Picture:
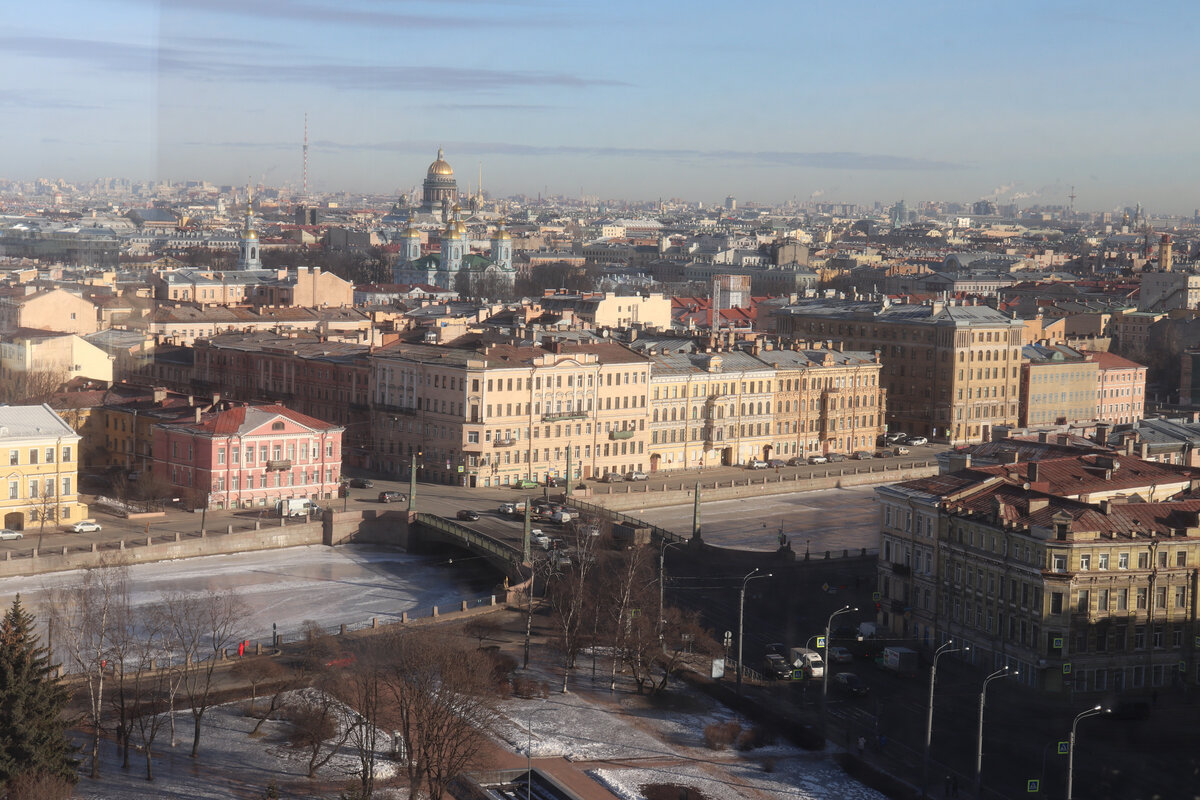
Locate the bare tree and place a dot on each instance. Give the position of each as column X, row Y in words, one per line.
column 483, row 628
column 38, row 786
column 282, row 681
column 625, row 581
column 570, row 593
column 682, row 635
column 85, row 614
column 442, row 704
column 316, row 724
column 204, row 626
column 360, row 687
column 32, row 387
column 154, row 682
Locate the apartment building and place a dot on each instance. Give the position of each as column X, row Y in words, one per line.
column 43, row 466
column 248, row 457
column 1078, row 570
column 1121, row 399
column 1059, row 385
column 49, row 310
column 950, row 371
column 499, row 414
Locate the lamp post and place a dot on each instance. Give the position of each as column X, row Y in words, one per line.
column 941, row 651
column 412, row 482
column 1003, row 672
column 1091, row 712
column 825, row 671
column 741, row 621
column 662, row 579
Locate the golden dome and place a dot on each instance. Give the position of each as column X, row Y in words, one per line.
column 411, row 231
column 503, row 234
column 440, row 167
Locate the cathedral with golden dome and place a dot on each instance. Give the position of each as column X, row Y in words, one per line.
column 439, row 192
column 454, row 266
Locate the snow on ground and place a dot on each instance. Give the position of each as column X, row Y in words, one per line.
column 231, row 764
column 332, row 585
column 799, row 778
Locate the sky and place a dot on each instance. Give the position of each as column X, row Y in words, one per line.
column 770, row 101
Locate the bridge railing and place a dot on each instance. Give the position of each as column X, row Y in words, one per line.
column 480, row 541
column 616, row 516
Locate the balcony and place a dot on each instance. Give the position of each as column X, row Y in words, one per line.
column 560, row 416
column 626, row 434
column 279, row 465
column 503, row 442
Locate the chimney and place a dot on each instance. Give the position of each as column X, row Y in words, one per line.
column 198, row 412
column 1033, row 472
column 1064, row 439
column 1105, row 505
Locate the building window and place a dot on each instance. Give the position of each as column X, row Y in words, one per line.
column 1103, row 559
column 1056, row 602
column 49, row 455
column 14, row 490
column 1085, row 563
column 1181, row 558
column 1123, row 561
column 1143, row 560
column 33, row 456
column 66, row 486
column 220, row 455
column 1060, row 562
column 1141, row 598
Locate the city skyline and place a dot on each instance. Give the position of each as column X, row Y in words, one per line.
column 847, row 104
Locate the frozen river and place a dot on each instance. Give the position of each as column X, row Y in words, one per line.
column 332, row 585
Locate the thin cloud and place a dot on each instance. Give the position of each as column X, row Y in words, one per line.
column 347, row 14
column 13, row 98
column 488, row 107
column 195, row 64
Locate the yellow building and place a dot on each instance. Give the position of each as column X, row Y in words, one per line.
column 62, row 355
column 499, row 414
column 41, row 477
column 50, row 310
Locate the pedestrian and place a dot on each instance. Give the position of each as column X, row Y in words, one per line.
column 862, row 746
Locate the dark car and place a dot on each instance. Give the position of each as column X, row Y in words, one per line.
column 362, row 483
column 556, row 482
column 851, row 684
column 797, row 461
column 392, row 497
column 468, row 515
column 776, row 462
column 836, row 457
column 776, row 667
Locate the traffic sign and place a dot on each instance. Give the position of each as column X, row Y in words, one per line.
column 1058, row 643
column 1033, row 785
column 1064, row 748
column 1067, row 668
column 820, row 642
column 876, row 597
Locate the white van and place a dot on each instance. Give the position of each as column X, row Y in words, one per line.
column 808, row 661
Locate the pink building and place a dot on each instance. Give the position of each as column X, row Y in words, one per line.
column 1122, row 389
column 248, row 457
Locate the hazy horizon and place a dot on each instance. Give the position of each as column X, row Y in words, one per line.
column 856, row 103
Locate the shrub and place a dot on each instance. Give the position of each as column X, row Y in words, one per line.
column 719, row 735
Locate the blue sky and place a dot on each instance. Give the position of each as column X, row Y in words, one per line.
column 769, row 101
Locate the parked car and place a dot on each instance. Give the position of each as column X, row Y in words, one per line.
column 524, row 484
column 86, row 526
column 836, row 457
column 883, row 453
column 840, row 655
column 613, row 477
column 818, row 459
column 797, row 461
column 5, row 533
column 392, row 497
column 468, row 515
column 776, row 463
column 776, row 667
column 507, row 509
column 895, row 438
column 556, row 483
column 756, row 463
column 916, row 441
column 636, row 476
column 851, row 684
column 900, row 450
column 362, row 483
column 862, row 455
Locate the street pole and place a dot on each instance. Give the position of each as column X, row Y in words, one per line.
column 1003, row 672
column 741, row 622
column 825, row 672
column 941, row 651
column 526, row 551
column 696, row 512
column 570, row 475
column 1091, row 712
column 412, row 482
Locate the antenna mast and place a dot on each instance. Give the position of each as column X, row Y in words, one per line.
column 305, row 155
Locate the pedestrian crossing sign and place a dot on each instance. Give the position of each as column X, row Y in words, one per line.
column 1033, row 785
column 820, row 642
column 1064, row 748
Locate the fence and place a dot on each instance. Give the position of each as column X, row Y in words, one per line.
column 463, row 606
column 660, row 534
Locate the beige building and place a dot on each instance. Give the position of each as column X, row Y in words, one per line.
column 606, row 310
column 1059, row 385
column 499, row 414
column 303, row 286
column 950, row 371
column 41, row 477
column 1074, row 570
column 63, row 355
column 50, row 310
column 1121, row 399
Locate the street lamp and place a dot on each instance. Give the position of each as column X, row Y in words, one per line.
column 1091, row 712
column 941, row 651
column 412, row 481
column 1003, row 672
column 662, row 578
column 741, row 621
column 825, row 671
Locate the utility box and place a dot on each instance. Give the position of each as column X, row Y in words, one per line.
column 626, row 535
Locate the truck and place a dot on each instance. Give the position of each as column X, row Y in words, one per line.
column 900, row 660
column 807, row 663
column 293, row 507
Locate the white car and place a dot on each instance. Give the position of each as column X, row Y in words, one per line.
column 86, row 526
column 917, row 440
column 10, row 534
column 540, row 539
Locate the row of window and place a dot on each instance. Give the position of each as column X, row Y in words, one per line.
column 38, row 488
column 39, row 455
column 281, row 479
column 1102, row 561
column 534, row 455
column 271, row 452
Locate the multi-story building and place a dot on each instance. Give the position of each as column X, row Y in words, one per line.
column 951, row 371
column 49, row 310
column 1078, row 570
column 248, row 456
column 42, row 476
column 61, row 356
column 604, row 310
column 1122, row 393
column 499, row 414
column 1059, row 385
